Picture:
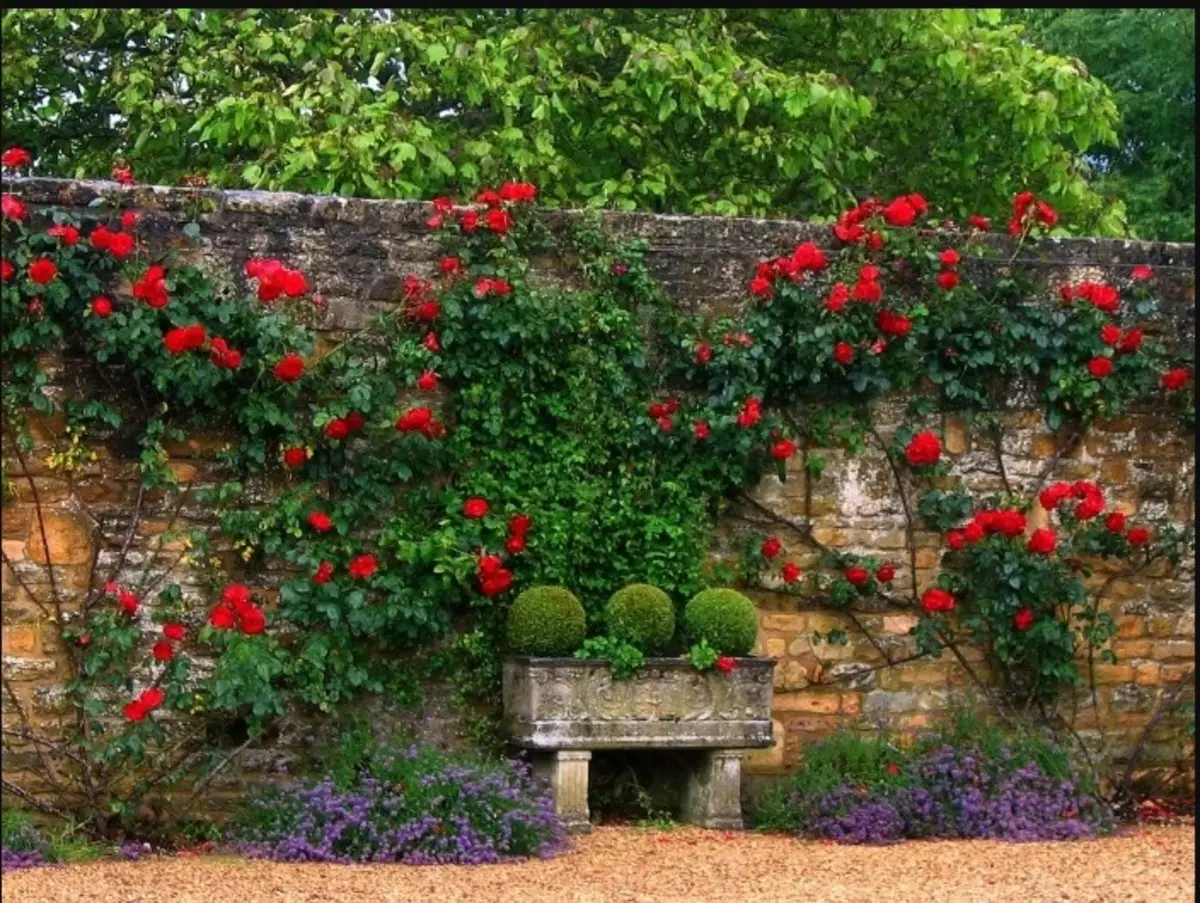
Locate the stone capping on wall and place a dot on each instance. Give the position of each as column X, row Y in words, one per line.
column 698, row 259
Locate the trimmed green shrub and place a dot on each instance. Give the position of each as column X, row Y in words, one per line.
column 642, row 616
column 546, row 620
column 725, row 618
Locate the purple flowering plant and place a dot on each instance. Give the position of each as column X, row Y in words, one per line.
column 411, row 806
column 22, row 845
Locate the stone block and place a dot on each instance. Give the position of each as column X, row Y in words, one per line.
column 785, row 623
column 68, row 538
column 772, row 758
column 713, row 797
column 1174, row 650
column 821, row 702
column 22, row 639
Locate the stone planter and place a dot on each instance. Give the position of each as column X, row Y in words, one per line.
column 563, row 708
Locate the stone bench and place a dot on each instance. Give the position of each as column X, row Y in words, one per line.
column 563, row 709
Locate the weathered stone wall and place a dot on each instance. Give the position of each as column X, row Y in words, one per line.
column 355, row 252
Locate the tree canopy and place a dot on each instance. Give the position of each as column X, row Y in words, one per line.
column 778, row 112
column 1148, row 58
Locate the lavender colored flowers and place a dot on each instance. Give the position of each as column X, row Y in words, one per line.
column 411, row 807
column 23, row 846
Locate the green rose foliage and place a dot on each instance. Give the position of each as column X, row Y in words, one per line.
column 641, row 615
column 546, row 620
column 723, row 618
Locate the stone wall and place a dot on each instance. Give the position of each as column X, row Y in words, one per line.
column 356, row 251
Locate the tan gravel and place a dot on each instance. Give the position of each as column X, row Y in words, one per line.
column 686, row 865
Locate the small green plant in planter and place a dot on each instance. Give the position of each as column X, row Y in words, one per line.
column 723, row 618
column 546, row 620
column 624, row 658
column 642, row 616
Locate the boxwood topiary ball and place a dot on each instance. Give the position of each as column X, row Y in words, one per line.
column 642, row 615
column 546, row 620
column 723, row 617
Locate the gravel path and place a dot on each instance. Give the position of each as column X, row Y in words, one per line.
column 629, row 865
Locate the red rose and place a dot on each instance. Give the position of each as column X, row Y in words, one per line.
column 918, row 203
column 886, row 573
column 1052, row 496
column 1115, row 522
column 790, row 572
column 808, row 256
column 972, row 533
column 725, row 663
column 981, row 223
column 129, row 219
column 42, row 271
column 900, row 213
column 1110, row 334
column 520, row 524
column 701, row 430
column 1046, row 214
column 152, row 698
column 15, row 158
column 923, row 450
column 1142, row 273
column 857, row 575
column 176, row 340
column 324, row 573
column 120, row 245
column 783, row 449
column 704, row 353
column 174, row 631
column 750, row 413
column 475, row 508
column 836, row 302
column 955, row 539
column 128, row 602
column 237, row 596
column 320, row 522
column 1174, row 380
column 771, row 547
column 947, row 280
column 1088, row 508
column 893, row 324
column 337, row 429
column 68, row 235
column 1042, row 542
column 253, row 621
column 515, row 545
column 194, row 336
column 1138, row 536
column 949, row 258
column 489, row 197
column 102, row 307
column 935, row 600
column 362, row 566
column 496, row 583
column 151, row 288
column 427, row 381
column 123, row 174
column 163, row 651
column 499, row 221
column 222, row 355
column 490, row 564
column 760, row 286
column 867, row 291
column 1100, row 367
column 295, row 457
column 1021, row 202
column 6, row 270
column 222, row 617
column 470, row 220
column 134, row 711
column 666, row 424
column 450, row 266
column 355, row 421
column 442, row 205
column 843, row 353
column 431, row 342
column 1131, row 342
column 1022, row 619
column 294, row 284
column 290, row 368
column 13, row 208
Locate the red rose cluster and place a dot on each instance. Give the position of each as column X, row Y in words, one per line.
column 518, row 529
column 1028, row 211
column 496, row 218
column 152, row 288
column 923, row 450
column 13, row 208
column 486, row 286
column 806, row 258
column 1100, row 295
column 902, row 211
column 164, row 650
column 420, row 420
column 750, row 413
column 663, row 413
column 1090, row 496
column 936, row 601
column 289, row 368
column 68, row 235
column 342, row 427
column 493, row 577
column 948, row 277
column 185, row 338
column 149, row 700
column 127, row 600
column 15, row 158
column 362, row 566
column 237, row 609
column 119, row 244
column 1174, row 380
column 274, row 279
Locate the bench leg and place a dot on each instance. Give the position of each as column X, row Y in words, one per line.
column 566, row 771
column 714, row 791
